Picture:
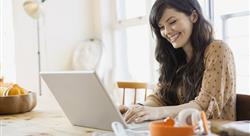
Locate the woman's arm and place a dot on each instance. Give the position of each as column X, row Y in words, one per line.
column 172, row 111
column 137, row 113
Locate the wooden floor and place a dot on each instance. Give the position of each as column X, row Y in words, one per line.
column 47, row 119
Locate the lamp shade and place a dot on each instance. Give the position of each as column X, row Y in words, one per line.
column 32, row 8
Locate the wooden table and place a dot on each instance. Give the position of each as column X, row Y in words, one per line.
column 47, row 119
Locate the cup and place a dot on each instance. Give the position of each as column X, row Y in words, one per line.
column 168, row 128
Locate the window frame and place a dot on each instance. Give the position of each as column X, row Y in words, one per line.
column 123, row 24
column 225, row 17
column 222, row 28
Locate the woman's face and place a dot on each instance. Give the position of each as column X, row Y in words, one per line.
column 176, row 27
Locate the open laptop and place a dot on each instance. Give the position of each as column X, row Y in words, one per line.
column 84, row 100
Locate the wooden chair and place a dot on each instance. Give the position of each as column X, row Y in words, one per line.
column 242, row 107
column 135, row 86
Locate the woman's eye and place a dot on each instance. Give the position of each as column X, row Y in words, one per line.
column 161, row 28
column 172, row 22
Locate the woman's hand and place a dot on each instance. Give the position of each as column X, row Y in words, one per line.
column 138, row 113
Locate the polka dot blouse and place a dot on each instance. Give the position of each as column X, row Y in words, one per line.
column 217, row 96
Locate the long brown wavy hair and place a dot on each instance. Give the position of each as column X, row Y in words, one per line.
column 176, row 74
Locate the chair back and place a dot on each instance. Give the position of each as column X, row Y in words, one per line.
column 135, row 86
column 242, row 107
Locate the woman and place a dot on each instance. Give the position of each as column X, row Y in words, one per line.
column 196, row 71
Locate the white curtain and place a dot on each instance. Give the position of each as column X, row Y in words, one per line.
column 7, row 43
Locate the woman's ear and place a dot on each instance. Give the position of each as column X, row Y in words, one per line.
column 194, row 16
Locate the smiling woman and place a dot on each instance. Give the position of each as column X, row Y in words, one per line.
column 196, row 70
column 176, row 27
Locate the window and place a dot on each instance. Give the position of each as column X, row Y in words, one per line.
column 232, row 25
column 133, row 41
column 127, row 9
column 206, row 6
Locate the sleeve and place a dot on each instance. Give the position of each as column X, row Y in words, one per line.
column 218, row 83
column 154, row 100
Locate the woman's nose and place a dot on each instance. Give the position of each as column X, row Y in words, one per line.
column 165, row 31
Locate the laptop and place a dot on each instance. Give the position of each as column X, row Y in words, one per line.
column 84, row 99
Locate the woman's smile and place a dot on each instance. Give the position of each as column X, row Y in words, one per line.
column 174, row 37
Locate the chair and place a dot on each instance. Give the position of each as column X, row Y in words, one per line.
column 135, row 86
column 242, row 107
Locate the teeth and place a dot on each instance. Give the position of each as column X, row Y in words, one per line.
column 174, row 37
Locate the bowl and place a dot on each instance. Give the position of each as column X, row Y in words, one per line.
column 17, row 103
column 159, row 128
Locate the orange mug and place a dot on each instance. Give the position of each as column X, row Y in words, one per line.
column 167, row 128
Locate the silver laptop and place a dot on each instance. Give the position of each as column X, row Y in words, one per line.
column 83, row 99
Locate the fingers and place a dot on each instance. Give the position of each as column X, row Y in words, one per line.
column 130, row 113
column 138, row 117
column 139, row 113
column 141, row 118
column 133, row 113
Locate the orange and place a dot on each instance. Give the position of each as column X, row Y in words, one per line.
column 20, row 89
column 14, row 91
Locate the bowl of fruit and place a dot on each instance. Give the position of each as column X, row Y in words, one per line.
column 14, row 99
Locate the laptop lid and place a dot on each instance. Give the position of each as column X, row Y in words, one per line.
column 83, row 98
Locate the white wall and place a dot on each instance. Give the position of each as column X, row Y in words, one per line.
column 25, row 47
column 64, row 25
column 7, row 53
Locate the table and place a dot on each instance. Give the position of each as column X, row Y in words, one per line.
column 47, row 119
